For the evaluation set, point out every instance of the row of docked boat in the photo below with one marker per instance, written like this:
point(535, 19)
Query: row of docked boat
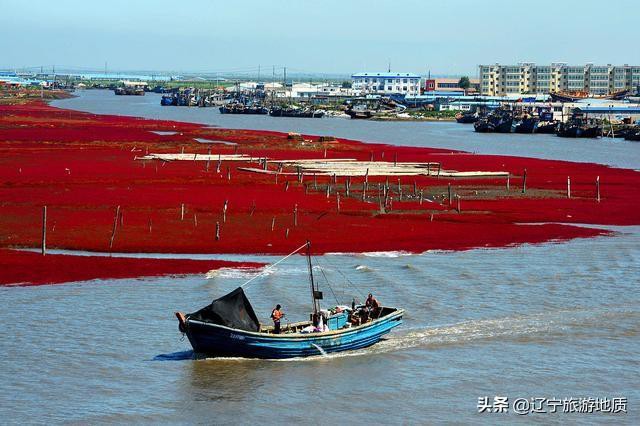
point(275, 111)
point(292, 111)
point(192, 98)
point(577, 126)
point(129, 91)
point(240, 108)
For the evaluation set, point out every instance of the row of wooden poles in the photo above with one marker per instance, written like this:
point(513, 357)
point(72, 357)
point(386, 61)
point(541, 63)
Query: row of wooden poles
point(382, 189)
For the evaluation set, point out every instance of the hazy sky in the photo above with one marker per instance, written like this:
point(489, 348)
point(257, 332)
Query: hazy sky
point(325, 36)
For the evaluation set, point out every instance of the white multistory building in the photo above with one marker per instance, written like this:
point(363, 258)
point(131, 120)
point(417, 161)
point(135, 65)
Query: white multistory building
point(386, 83)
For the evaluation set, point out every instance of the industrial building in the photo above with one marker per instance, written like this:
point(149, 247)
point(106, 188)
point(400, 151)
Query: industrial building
point(450, 85)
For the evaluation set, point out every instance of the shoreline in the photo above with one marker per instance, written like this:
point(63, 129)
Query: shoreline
point(56, 160)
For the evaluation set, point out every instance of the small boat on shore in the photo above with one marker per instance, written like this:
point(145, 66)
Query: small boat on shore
point(229, 327)
point(577, 95)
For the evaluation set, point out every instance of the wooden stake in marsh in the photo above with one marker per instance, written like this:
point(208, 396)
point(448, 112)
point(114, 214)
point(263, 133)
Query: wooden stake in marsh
point(449, 189)
point(508, 178)
point(44, 230)
point(295, 215)
point(458, 200)
point(338, 200)
point(224, 211)
point(217, 231)
point(568, 186)
point(524, 181)
point(598, 189)
point(182, 211)
point(273, 223)
point(115, 226)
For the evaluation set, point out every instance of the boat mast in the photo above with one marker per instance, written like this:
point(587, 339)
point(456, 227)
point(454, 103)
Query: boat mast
point(314, 301)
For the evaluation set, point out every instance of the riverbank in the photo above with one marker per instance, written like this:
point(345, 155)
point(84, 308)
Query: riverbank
point(102, 196)
point(25, 268)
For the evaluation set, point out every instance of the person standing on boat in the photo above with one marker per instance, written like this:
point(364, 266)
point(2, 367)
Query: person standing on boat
point(276, 316)
point(372, 306)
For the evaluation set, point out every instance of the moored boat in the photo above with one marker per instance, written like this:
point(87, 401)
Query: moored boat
point(168, 100)
point(525, 125)
point(229, 327)
point(296, 112)
point(633, 135)
point(483, 126)
point(240, 108)
point(546, 127)
point(467, 117)
point(578, 129)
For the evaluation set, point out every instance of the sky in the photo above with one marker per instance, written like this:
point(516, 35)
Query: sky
point(323, 37)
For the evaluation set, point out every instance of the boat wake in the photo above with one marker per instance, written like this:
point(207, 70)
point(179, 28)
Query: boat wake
point(529, 328)
point(364, 268)
point(239, 273)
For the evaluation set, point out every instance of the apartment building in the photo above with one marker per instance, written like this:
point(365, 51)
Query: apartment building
point(529, 78)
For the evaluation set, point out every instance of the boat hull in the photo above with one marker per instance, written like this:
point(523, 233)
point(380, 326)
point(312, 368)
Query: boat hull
point(219, 341)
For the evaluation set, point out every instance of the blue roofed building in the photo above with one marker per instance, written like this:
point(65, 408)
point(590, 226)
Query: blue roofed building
point(386, 83)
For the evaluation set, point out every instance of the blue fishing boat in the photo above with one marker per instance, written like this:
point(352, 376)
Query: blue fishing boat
point(229, 327)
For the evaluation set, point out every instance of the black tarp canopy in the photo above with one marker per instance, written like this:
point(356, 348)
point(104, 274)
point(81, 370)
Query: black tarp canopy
point(231, 310)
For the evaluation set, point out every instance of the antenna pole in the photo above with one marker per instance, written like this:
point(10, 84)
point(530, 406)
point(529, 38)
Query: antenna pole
point(313, 287)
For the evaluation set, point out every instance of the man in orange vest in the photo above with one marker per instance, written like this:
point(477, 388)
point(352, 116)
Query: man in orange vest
point(276, 316)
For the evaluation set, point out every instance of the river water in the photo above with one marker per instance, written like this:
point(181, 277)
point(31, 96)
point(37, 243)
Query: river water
point(556, 320)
